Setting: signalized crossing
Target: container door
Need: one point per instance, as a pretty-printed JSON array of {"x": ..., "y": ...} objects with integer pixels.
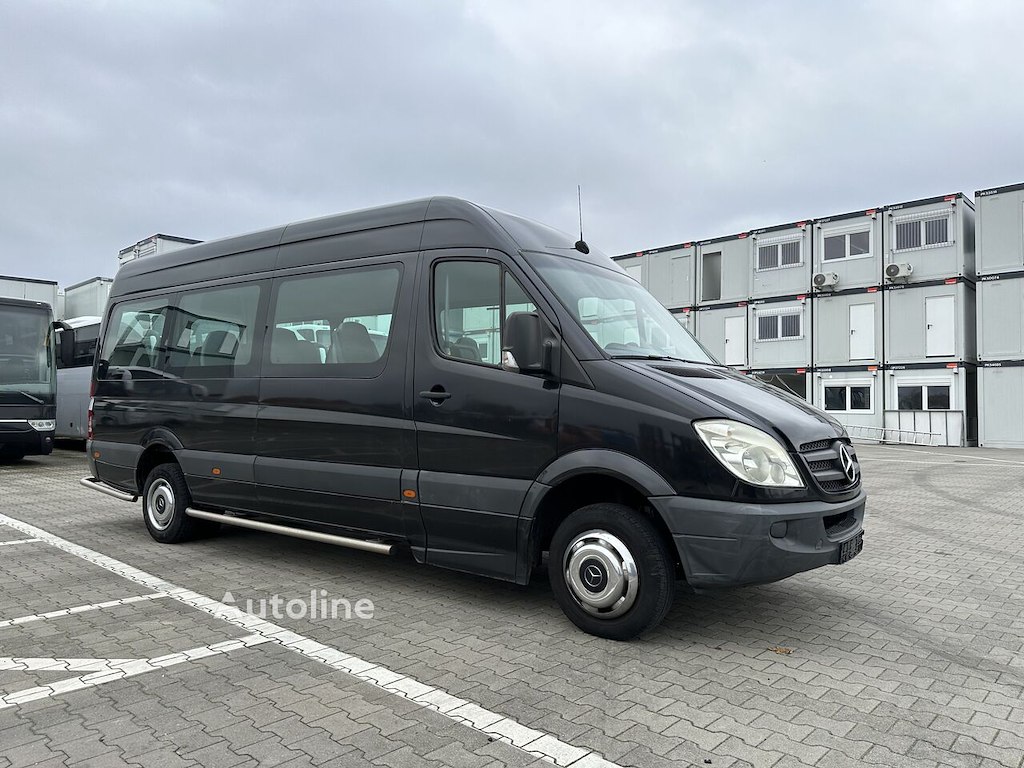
[
  {"x": 735, "y": 341},
  {"x": 862, "y": 331},
  {"x": 940, "y": 340}
]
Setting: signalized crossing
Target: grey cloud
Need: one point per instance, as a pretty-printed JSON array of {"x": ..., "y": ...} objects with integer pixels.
[{"x": 680, "y": 120}]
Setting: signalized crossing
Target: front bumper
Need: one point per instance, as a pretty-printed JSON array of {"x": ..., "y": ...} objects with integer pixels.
[
  {"x": 17, "y": 436},
  {"x": 724, "y": 544}
]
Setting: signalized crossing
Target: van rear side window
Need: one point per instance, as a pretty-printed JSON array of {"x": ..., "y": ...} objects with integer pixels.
[
  {"x": 335, "y": 324},
  {"x": 134, "y": 337},
  {"x": 212, "y": 332}
]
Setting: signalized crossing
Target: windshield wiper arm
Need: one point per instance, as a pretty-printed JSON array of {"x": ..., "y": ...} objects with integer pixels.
[{"x": 31, "y": 397}]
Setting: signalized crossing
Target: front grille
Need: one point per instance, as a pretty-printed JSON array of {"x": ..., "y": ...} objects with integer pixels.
[
  {"x": 817, "y": 445},
  {"x": 826, "y": 466}
]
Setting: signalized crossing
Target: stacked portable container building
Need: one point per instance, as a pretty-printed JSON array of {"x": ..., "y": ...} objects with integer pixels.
[
  {"x": 868, "y": 315},
  {"x": 1000, "y": 266}
]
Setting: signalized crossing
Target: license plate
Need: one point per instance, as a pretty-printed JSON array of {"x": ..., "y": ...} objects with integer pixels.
[{"x": 850, "y": 549}]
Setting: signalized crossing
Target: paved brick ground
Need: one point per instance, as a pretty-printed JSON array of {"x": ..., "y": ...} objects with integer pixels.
[{"x": 911, "y": 655}]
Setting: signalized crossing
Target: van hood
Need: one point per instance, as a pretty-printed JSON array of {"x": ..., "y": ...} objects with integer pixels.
[{"x": 746, "y": 399}]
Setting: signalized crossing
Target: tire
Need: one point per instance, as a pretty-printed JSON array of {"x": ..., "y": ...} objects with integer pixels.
[
  {"x": 611, "y": 571},
  {"x": 10, "y": 456},
  {"x": 165, "y": 497}
]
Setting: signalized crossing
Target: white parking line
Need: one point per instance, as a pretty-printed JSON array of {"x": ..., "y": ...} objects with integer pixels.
[
  {"x": 991, "y": 459},
  {"x": 107, "y": 670},
  {"x": 19, "y": 541},
  {"x": 537, "y": 743},
  {"x": 79, "y": 608}
]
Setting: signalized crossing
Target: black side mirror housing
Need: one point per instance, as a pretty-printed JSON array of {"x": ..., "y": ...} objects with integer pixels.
[
  {"x": 66, "y": 348},
  {"x": 525, "y": 349}
]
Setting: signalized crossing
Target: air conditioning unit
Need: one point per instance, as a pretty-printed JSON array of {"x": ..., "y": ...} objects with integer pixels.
[
  {"x": 824, "y": 281},
  {"x": 898, "y": 271}
]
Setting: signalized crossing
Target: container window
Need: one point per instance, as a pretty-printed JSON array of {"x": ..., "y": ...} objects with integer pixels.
[
  {"x": 790, "y": 326},
  {"x": 835, "y": 398},
  {"x": 938, "y": 398},
  {"x": 910, "y": 398},
  {"x": 922, "y": 231},
  {"x": 790, "y": 253},
  {"x": 767, "y": 328},
  {"x": 774, "y": 324},
  {"x": 860, "y": 398},
  {"x": 768, "y": 257},
  {"x": 848, "y": 245},
  {"x": 711, "y": 276},
  {"x": 848, "y": 397}
]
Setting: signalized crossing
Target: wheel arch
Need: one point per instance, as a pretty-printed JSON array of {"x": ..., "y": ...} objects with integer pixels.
[
  {"x": 158, "y": 447},
  {"x": 577, "y": 480}
]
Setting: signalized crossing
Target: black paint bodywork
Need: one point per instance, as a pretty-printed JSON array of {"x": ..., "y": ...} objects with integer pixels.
[{"x": 462, "y": 481}]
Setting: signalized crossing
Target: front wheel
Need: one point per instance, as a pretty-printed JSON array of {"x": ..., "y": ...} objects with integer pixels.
[
  {"x": 165, "y": 497},
  {"x": 611, "y": 571}
]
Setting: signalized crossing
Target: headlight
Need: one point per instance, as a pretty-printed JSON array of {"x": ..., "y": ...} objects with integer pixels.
[
  {"x": 752, "y": 455},
  {"x": 43, "y": 425}
]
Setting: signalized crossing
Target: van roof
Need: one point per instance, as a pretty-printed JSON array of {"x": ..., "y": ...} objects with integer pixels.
[{"x": 430, "y": 223}]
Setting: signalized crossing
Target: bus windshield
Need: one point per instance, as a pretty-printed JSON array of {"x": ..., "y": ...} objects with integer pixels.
[
  {"x": 617, "y": 312},
  {"x": 27, "y": 360}
]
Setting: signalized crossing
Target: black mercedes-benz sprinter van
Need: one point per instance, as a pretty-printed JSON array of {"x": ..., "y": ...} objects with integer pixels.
[{"x": 472, "y": 386}]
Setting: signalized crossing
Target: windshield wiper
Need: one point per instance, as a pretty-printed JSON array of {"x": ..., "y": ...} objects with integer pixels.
[
  {"x": 30, "y": 397},
  {"x": 659, "y": 357}
]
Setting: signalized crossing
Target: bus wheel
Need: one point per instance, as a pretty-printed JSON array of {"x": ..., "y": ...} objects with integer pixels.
[
  {"x": 10, "y": 456},
  {"x": 611, "y": 571},
  {"x": 165, "y": 497}
]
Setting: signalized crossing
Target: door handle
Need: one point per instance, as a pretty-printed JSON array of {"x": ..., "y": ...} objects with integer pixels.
[{"x": 436, "y": 395}]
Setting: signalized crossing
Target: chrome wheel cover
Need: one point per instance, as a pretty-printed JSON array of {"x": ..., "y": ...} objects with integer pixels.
[
  {"x": 160, "y": 504},
  {"x": 601, "y": 574}
]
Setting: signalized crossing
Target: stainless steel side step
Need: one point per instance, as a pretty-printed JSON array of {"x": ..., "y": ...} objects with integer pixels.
[
  {"x": 298, "y": 533},
  {"x": 99, "y": 485}
]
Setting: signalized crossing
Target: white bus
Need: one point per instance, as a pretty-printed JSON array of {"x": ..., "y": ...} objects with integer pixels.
[{"x": 74, "y": 372}]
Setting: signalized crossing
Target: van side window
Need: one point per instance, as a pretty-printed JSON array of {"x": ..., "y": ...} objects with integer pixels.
[
  {"x": 334, "y": 324},
  {"x": 472, "y": 299},
  {"x": 212, "y": 331},
  {"x": 134, "y": 338}
]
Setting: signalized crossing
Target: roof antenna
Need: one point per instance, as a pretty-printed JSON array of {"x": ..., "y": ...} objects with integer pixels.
[{"x": 581, "y": 246}]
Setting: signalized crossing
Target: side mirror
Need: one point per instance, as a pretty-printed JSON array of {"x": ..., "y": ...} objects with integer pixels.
[
  {"x": 66, "y": 344},
  {"x": 525, "y": 349}
]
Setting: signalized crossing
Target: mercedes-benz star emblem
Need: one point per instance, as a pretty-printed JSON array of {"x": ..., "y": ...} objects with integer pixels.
[
  {"x": 593, "y": 576},
  {"x": 849, "y": 465}
]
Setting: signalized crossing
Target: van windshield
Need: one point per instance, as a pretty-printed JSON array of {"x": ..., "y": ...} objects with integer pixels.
[{"x": 617, "y": 312}]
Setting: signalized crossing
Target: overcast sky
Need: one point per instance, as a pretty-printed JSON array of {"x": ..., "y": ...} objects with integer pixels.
[{"x": 681, "y": 120}]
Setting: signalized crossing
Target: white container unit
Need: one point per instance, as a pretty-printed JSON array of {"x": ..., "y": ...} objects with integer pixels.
[
  {"x": 87, "y": 298},
  {"x": 724, "y": 267},
  {"x": 853, "y": 395},
  {"x": 30, "y": 289},
  {"x": 848, "y": 251},
  {"x": 1000, "y": 236},
  {"x": 723, "y": 331},
  {"x": 780, "y": 332},
  {"x": 781, "y": 258},
  {"x": 153, "y": 245},
  {"x": 1000, "y": 405},
  {"x": 932, "y": 322},
  {"x": 847, "y": 328},
  {"x": 931, "y": 404},
  {"x": 929, "y": 239},
  {"x": 1001, "y": 317}
]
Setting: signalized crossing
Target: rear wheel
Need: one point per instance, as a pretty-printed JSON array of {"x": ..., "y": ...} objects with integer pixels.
[
  {"x": 165, "y": 498},
  {"x": 611, "y": 571}
]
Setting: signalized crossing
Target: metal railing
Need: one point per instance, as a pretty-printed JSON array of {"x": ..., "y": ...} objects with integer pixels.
[{"x": 891, "y": 435}]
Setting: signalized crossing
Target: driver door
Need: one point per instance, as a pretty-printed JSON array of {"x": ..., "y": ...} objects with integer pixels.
[{"x": 483, "y": 433}]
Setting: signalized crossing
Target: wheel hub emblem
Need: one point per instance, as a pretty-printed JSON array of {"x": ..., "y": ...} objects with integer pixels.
[
  {"x": 593, "y": 576},
  {"x": 848, "y": 464}
]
